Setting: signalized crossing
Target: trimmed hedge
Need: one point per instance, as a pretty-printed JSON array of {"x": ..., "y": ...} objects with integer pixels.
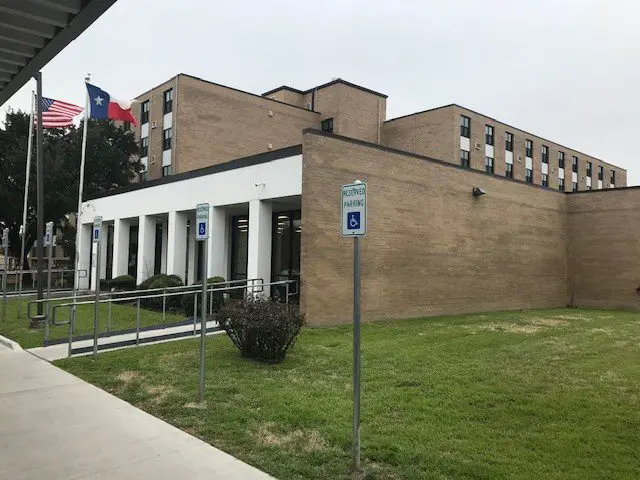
[
  {"x": 262, "y": 328},
  {"x": 217, "y": 298},
  {"x": 174, "y": 302},
  {"x": 123, "y": 283}
]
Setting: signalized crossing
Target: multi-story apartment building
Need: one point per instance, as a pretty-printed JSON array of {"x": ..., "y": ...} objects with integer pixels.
[
  {"x": 465, "y": 213},
  {"x": 187, "y": 123}
]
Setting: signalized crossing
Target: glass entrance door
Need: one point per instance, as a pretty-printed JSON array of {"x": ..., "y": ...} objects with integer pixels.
[
  {"x": 285, "y": 255},
  {"x": 239, "y": 247}
]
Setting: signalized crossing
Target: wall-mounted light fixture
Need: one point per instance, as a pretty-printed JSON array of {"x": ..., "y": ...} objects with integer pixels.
[{"x": 477, "y": 191}]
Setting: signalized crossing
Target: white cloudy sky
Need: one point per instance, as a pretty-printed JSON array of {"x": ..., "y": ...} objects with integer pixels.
[{"x": 567, "y": 70}]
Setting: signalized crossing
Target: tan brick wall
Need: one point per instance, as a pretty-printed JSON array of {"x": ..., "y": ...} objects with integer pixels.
[
  {"x": 217, "y": 124},
  {"x": 433, "y": 134},
  {"x": 426, "y": 134},
  {"x": 604, "y": 248},
  {"x": 431, "y": 247},
  {"x": 288, "y": 96},
  {"x": 356, "y": 113}
]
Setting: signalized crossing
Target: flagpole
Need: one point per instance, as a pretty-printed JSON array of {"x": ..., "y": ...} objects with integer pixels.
[
  {"x": 76, "y": 273},
  {"x": 26, "y": 199}
]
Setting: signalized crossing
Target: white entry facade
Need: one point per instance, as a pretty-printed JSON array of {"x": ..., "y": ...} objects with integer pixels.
[{"x": 149, "y": 227}]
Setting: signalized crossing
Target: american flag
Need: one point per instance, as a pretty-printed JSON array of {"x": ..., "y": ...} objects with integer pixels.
[{"x": 56, "y": 114}]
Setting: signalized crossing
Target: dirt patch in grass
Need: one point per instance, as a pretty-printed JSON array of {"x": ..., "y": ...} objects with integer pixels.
[
  {"x": 159, "y": 392},
  {"x": 196, "y": 405},
  {"x": 548, "y": 322},
  {"x": 502, "y": 327},
  {"x": 128, "y": 376},
  {"x": 305, "y": 440}
]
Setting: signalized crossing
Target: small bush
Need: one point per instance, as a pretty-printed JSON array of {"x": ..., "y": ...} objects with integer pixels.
[
  {"x": 216, "y": 298},
  {"x": 262, "y": 329},
  {"x": 145, "y": 284},
  {"x": 173, "y": 302},
  {"x": 123, "y": 283}
]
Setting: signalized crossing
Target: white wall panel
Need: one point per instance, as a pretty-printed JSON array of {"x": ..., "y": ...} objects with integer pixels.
[
  {"x": 144, "y": 130},
  {"x": 167, "y": 120},
  {"x": 508, "y": 157},
  {"x": 166, "y": 158},
  {"x": 561, "y": 173},
  {"x": 528, "y": 163},
  {"x": 488, "y": 151},
  {"x": 545, "y": 168},
  {"x": 465, "y": 144}
]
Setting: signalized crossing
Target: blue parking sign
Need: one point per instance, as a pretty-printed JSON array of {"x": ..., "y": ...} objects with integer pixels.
[{"x": 353, "y": 220}]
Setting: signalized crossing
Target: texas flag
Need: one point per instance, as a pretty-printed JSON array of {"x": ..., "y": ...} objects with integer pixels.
[{"x": 103, "y": 106}]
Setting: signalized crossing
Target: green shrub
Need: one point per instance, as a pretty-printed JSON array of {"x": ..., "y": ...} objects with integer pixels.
[
  {"x": 163, "y": 281},
  {"x": 123, "y": 283},
  {"x": 216, "y": 298},
  {"x": 262, "y": 329},
  {"x": 145, "y": 284}
]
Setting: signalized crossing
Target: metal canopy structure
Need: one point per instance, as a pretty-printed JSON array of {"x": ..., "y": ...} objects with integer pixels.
[{"x": 32, "y": 32}]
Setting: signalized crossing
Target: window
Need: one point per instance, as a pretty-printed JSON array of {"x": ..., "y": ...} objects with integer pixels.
[
  {"x": 529, "y": 175},
  {"x": 488, "y": 164},
  {"x": 126, "y": 126},
  {"x": 545, "y": 180},
  {"x": 166, "y": 140},
  {"x": 464, "y": 158},
  {"x": 560, "y": 159},
  {"x": 574, "y": 164},
  {"x": 575, "y": 186},
  {"x": 144, "y": 176},
  {"x": 545, "y": 154},
  {"x": 528, "y": 151},
  {"x": 308, "y": 106},
  {"x": 589, "y": 169},
  {"x": 144, "y": 147},
  {"x": 166, "y": 171},
  {"x": 327, "y": 125},
  {"x": 561, "y": 184},
  {"x": 509, "y": 171},
  {"x": 167, "y": 101},
  {"x": 508, "y": 142},
  {"x": 144, "y": 112},
  {"x": 488, "y": 134},
  {"x": 465, "y": 126},
  {"x": 600, "y": 172},
  {"x": 613, "y": 177}
]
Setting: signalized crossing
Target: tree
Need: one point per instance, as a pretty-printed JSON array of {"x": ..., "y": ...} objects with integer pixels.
[{"x": 110, "y": 163}]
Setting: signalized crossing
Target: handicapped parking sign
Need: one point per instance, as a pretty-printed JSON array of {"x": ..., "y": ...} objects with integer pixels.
[
  {"x": 202, "y": 228},
  {"x": 353, "y": 220},
  {"x": 202, "y": 220},
  {"x": 354, "y": 209}
]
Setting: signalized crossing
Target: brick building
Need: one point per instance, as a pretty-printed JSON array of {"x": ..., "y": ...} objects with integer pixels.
[{"x": 271, "y": 168}]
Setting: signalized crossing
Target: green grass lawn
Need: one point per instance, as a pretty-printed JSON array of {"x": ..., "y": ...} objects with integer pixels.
[
  {"x": 546, "y": 394},
  {"x": 123, "y": 316}
]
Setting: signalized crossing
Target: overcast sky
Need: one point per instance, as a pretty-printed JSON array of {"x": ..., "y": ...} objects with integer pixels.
[{"x": 567, "y": 70}]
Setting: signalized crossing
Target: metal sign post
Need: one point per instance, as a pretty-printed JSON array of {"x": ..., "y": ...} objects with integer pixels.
[
  {"x": 48, "y": 243},
  {"x": 202, "y": 235},
  {"x": 5, "y": 245},
  {"x": 96, "y": 236},
  {"x": 354, "y": 224}
]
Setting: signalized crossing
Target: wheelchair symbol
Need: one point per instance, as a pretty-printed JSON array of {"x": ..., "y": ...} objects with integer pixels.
[
  {"x": 202, "y": 229},
  {"x": 353, "y": 221}
]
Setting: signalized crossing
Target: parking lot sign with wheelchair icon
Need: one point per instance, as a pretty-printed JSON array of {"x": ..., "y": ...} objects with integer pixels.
[{"x": 354, "y": 209}]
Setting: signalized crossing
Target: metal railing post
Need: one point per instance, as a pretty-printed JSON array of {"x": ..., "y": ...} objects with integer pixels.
[
  {"x": 109, "y": 314},
  {"x": 138, "y": 323},
  {"x": 286, "y": 289},
  {"x": 72, "y": 313},
  {"x": 164, "y": 305},
  {"x": 195, "y": 312}
]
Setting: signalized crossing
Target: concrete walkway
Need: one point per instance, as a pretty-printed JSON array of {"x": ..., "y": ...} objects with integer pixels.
[{"x": 54, "y": 425}]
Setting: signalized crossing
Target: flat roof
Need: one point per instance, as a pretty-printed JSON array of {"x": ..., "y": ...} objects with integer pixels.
[{"x": 32, "y": 32}]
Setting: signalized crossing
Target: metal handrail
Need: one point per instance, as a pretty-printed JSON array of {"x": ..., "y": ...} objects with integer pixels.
[
  {"x": 214, "y": 288},
  {"x": 186, "y": 288}
]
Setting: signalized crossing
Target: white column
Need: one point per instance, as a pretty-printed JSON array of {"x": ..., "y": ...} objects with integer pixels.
[
  {"x": 259, "y": 261},
  {"x": 84, "y": 255},
  {"x": 177, "y": 244},
  {"x": 218, "y": 244},
  {"x": 146, "y": 247},
  {"x": 120, "y": 247},
  {"x": 192, "y": 250},
  {"x": 163, "y": 253},
  {"x": 103, "y": 251}
]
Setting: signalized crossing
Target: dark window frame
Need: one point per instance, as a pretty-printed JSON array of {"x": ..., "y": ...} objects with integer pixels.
[
  {"x": 166, "y": 170},
  {"x": 144, "y": 149},
  {"x": 488, "y": 164},
  {"x": 465, "y": 126},
  {"x": 167, "y": 101},
  {"x": 167, "y": 141},
  {"x": 544, "y": 152},
  {"x": 600, "y": 172},
  {"x": 528, "y": 175},
  {"x": 508, "y": 172},
  {"x": 574, "y": 163},
  {"x": 545, "y": 180},
  {"x": 465, "y": 162},
  {"x": 528, "y": 148},
  {"x": 327, "y": 125},
  {"x": 612, "y": 177},
  {"x": 144, "y": 112},
  {"x": 561, "y": 184},
  {"x": 489, "y": 135},
  {"x": 574, "y": 187},
  {"x": 508, "y": 141},
  {"x": 589, "y": 169},
  {"x": 561, "y": 160}
]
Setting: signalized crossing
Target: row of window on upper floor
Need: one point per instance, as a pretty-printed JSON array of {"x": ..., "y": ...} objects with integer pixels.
[
  {"x": 489, "y": 168},
  {"x": 167, "y": 137},
  {"x": 465, "y": 131},
  {"x": 167, "y": 106}
]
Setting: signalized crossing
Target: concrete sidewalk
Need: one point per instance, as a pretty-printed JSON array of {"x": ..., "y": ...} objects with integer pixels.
[{"x": 54, "y": 425}]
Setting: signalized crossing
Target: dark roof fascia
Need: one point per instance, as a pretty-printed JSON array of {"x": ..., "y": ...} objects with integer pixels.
[
  {"x": 427, "y": 159},
  {"x": 325, "y": 85},
  {"x": 201, "y": 172},
  {"x": 602, "y": 190},
  {"x": 421, "y": 112},
  {"x": 283, "y": 87}
]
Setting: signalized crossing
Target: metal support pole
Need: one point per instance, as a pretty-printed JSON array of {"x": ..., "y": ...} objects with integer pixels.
[
  {"x": 164, "y": 305},
  {"x": 4, "y": 273},
  {"x": 46, "y": 320},
  {"x": 356, "y": 354},
  {"x": 96, "y": 313},
  {"x": 138, "y": 323},
  {"x": 195, "y": 313},
  {"x": 109, "y": 315},
  {"x": 203, "y": 320},
  {"x": 40, "y": 192},
  {"x": 71, "y": 314}
]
